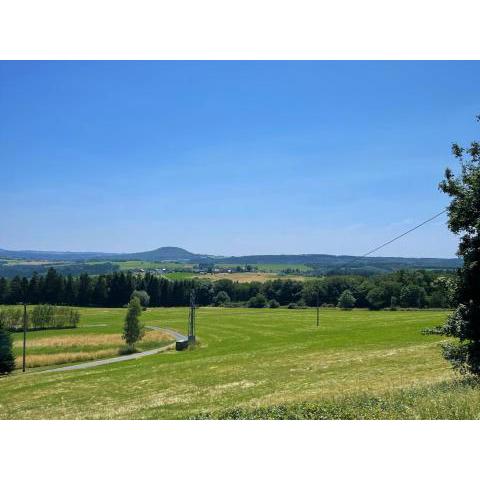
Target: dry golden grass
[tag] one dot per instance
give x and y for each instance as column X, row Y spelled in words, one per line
column 244, row 277
column 90, row 340
column 111, row 344
column 44, row 359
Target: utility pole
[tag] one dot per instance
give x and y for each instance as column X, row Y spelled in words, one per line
column 24, row 335
column 191, row 319
column 318, row 308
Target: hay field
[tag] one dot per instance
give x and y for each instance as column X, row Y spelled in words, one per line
column 247, row 359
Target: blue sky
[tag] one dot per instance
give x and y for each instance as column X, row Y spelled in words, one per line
column 230, row 157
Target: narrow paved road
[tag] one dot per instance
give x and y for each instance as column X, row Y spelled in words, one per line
column 106, row 361
column 177, row 336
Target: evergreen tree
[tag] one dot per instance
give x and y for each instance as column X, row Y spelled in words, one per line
column 84, row 290
column 33, row 295
column 3, row 290
column 70, row 294
column 464, row 220
column 15, row 294
column 24, row 288
column 100, row 292
column 133, row 330
column 153, row 290
column 7, row 358
column 53, row 287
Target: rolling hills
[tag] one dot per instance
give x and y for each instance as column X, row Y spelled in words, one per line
column 319, row 263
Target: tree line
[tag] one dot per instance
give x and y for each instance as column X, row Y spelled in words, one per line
column 404, row 288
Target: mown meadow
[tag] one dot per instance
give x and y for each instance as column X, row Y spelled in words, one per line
column 93, row 339
column 255, row 363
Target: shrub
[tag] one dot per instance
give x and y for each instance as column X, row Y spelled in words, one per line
column 221, row 298
column 346, row 300
column 258, row 301
column 292, row 305
column 273, row 304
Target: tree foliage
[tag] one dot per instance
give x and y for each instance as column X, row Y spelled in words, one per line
column 143, row 297
column 7, row 358
column 258, row 301
column 435, row 289
column 346, row 300
column 464, row 220
column 221, row 298
column 133, row 330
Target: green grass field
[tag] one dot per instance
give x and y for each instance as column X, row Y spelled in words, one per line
column 134, row 264
column 250, row 361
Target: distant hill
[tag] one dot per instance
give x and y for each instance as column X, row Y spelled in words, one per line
column 342, row 261
column 164, row 254
column 174, row 254
column 50, row 256
column 319, row 262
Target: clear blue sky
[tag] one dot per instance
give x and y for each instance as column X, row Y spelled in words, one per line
column 230, row 157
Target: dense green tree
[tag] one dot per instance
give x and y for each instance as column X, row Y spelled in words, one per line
column 377, row 298
column 258, row 301
column 33, row 295
column 153, row 289
column 412, row 296
column 143, row 297
column 70, row 294
column 133, row 330
column 3, row 290
column 53, row 287
column 346, row 300
column 204, row 292
column 100, row 292
column 7, row 358
column 15, row 293
column 221, row 298
column 464, row 220
column 84, row 296
column 115, row 290
column 311, row 289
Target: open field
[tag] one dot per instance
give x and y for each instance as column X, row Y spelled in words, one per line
column 91, row 340
column 147, row 265
column 271, row 267
column 250, row 359
column 245, row 277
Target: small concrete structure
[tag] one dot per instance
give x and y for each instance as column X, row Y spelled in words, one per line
column 181, row 344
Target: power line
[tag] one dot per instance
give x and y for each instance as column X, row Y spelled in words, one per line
column 393, row 239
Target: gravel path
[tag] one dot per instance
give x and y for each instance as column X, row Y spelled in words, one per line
column 106, row 361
